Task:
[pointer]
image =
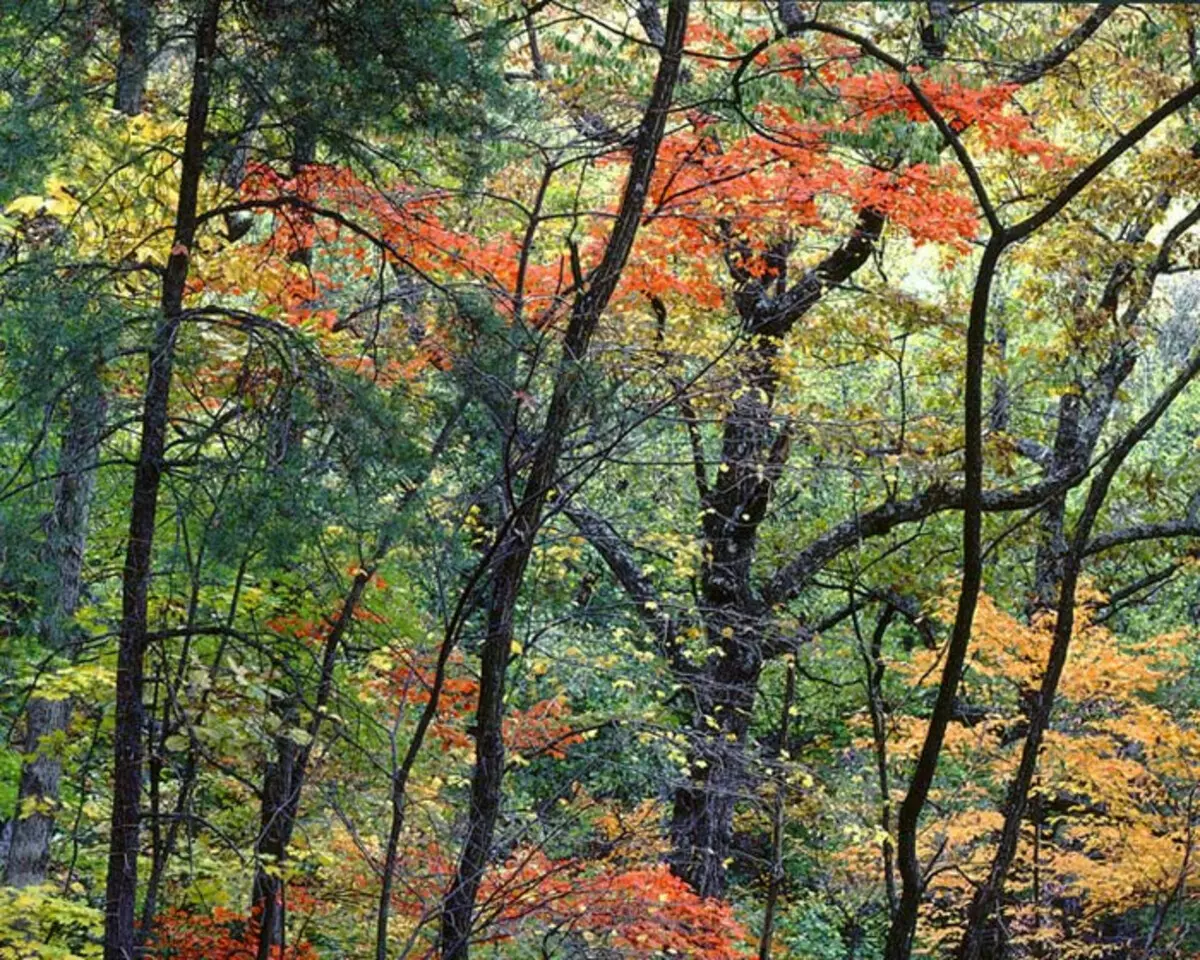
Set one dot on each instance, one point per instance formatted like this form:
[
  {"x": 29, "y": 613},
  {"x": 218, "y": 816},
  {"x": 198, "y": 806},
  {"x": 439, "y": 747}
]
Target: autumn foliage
[{"x": 442, "y": 496}]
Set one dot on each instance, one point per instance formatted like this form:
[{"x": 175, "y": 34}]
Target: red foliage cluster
[
  {"x": 715, "y": 202},
  {"x": 220, "y": 935},
  {"x": 542, "y": 728},
  {"x": 641, "y": 909},
  {"x": 651, "y": 911},
  {"x": 314, "y": 632},
  {"x": 333, "y": 206}
]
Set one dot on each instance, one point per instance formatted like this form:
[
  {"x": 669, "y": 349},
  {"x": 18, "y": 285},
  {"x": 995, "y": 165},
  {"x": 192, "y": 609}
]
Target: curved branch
[
  {"x": 618, "y": 556},
  {"x": 951, "y": 138}
]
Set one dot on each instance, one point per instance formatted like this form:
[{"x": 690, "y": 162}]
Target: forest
[{"x": 599, "y": 480}]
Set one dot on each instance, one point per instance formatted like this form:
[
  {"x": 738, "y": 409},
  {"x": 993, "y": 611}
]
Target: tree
[{"x": 597, "y": 480}]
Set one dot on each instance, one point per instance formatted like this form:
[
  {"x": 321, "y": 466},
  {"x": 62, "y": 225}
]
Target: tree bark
[
  {"x": 904, "y": 921},
  {"x": 133, "y": 62},
  {"x": 777, "y": 817},
  {"x": 66, "y": 542},
  {"x": 704, "y": 805}
]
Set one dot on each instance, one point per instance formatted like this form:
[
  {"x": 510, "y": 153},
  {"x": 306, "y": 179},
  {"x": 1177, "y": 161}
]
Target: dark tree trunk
[
  {"x": 133, "y": 62},
  {"x": 121, "y": 887},
  {"x": 66, "y": 541},
  {"x": 517, "y": 537},
  {"x": 754, "y": 451},
  {"x": 283, "y": 780},
  {"x": 904, "y": 920},
  {"x": 280, "y": 793},
  {"x": 702, "y": 815}
]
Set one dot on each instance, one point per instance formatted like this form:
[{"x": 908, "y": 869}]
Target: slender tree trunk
[
  {"x": 283, "y": 781},
  {"x": 874, "y": 666},
  {"x": 280, "y": 791},
  {"x": 777, "y": 817},
  {"x": 133, "y": 62},
  {"x": 404, "y": 770},
  {"x": 66, "y": 541},
  {"x": 988, "y": 895},
  {"x": 121, "y": 888},
  {"x": 518, "y": 537},
  {"x": 904, "y": 922}
]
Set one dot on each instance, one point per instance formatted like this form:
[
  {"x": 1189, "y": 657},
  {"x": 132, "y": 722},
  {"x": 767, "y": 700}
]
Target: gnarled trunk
[{"x": 704, "y": 805}]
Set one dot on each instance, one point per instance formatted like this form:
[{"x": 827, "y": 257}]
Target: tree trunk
[
  {"x": 775, "y": 885},
  {"x": 66, "y": 541},
  {"x": 517, "y": 537},
  {"x": 133, "y": 61},
  {"x": 904, "y": 920},
  {"x": 121, "y": 887},
  {"x": 704, "y": 805},
  {"x": 280, "y": 791}
]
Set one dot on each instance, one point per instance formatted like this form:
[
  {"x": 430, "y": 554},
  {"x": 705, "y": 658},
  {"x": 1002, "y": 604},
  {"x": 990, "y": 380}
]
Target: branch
[
  {"x": 1116, "y": 599},
  {"x": 1039, "y": 453},
  {"x": 1081, "y": 180},
  {"x": 892, "y": 601},
  {"x": 1140, "y": 532},
  {"x": 651, "y": 21},
  {"x": 794, "y": 576},
  {"x": 618, "y": 555},
  {"x": 773, "y": 317},
  {"x": 1036, "y": 69}
]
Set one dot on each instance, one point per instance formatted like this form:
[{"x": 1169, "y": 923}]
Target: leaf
[
  {"x": 299, "y": 735},
  {"x": 27, "y": 206}
]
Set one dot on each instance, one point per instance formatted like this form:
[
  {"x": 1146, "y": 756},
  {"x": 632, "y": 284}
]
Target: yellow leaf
[{"x": 28, "y": 206}]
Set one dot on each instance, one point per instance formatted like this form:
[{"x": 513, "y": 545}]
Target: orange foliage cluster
[
  {"x": 408, "y": 225},
  {"x": 542, "y": 728},
  {"x": 315, "y": 632},
  {"x": 980, "y": 110},
  {"x": 709, "y": 200},
  {"x": 639, "y": 908},
  {"x": 221, "y": 935},
  {"x": 1117, "y": 779},
  {"x": 712, "y": 199}
]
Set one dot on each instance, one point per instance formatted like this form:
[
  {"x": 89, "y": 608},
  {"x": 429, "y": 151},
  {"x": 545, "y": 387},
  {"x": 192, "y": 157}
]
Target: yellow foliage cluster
[{"x": 1111, "y": 815}]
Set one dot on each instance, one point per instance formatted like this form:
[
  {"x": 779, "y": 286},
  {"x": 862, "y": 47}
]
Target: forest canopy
[{"x": 599, "y": 479}]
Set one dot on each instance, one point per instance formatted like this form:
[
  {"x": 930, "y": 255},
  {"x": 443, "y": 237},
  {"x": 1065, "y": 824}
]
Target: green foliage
[{"x": 39, "y": 923}]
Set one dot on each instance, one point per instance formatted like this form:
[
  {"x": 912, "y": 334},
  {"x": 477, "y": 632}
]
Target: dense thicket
[{"x": 618, "y": 479}]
